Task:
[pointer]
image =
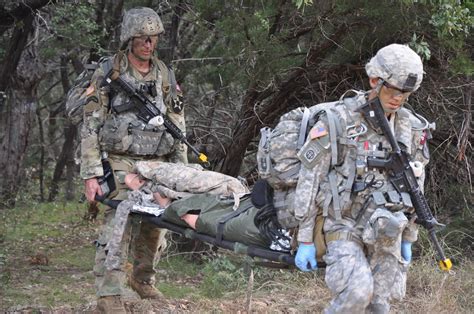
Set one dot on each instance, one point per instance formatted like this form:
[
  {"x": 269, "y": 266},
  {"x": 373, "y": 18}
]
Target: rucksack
[
  {"x": 76, "y": 97},
  {"x": 277, "y": 158},
  {"x": 279, "y": 165},
  {"x": 278, "y": 162}
]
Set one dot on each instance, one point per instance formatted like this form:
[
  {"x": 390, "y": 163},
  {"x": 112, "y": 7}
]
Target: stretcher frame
[{"x": 236, "y": 247}]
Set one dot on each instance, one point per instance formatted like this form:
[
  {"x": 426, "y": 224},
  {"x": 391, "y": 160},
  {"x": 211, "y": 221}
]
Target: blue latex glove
[
  {"x": 305, "y": 258},
  {"x": 406, "y": 251}
]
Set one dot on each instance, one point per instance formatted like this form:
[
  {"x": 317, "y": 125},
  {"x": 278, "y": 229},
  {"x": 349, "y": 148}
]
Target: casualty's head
[
  {"x": 394, "y": 73},
  {"x": 140, "y": 30}
]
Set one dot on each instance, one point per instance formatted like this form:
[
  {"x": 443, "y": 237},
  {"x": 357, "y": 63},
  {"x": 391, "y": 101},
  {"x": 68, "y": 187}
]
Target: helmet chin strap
[{"x": 378, "y": 87}]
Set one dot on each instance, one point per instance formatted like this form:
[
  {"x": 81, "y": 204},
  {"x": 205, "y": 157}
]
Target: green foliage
[
  {"x": 176, "y": 290},
  {"x": 73, "y": 26},
  {"x": 39, "y": 221},
  {"x": 82, "y": 258},
  {"x": 302, "y": 3},
  {"x": 179, "y": 265},
  {"x": 463, "y": 64},
  {"x": 453, "y": 20},
  {"x": 58, "y": 232},
  {"x": 240, "y": 37},
  {"x": 221, "y": 275},
  {"x": 421, "y": 47}
]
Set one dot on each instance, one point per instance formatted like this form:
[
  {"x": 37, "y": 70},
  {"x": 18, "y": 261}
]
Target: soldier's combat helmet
[
  {"x": 138, "y": 22},
  {"x": 397, "y": 65}
]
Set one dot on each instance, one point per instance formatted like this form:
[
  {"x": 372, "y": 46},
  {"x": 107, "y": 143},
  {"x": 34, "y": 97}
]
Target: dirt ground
[{"x": 46, "y": 267}]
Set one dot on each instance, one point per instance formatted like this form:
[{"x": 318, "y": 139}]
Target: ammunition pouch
[{"x": 119, "y": 138}]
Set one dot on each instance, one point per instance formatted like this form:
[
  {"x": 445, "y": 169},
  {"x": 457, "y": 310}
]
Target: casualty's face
[{"x": 144, "y": 46}]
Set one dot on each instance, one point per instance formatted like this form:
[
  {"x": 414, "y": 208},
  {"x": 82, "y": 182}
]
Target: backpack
[
  {"x": 277, "y": 159},
  {"x": 279, "y": 165},
  {"x": 76, "y": 96}
]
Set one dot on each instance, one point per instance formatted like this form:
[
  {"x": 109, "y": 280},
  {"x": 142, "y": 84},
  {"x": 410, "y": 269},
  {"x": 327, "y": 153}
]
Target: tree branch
[{"x": 8, "y": 17}]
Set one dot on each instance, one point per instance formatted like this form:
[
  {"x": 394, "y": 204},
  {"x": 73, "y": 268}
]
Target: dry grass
[
  {"x": 432, "y": 291},
  {"x": 65, "y": 283},
  {"x": 428, "y": 291}
]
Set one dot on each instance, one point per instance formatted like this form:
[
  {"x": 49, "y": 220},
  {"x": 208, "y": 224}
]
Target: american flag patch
[{"x": 317, "y": 132}]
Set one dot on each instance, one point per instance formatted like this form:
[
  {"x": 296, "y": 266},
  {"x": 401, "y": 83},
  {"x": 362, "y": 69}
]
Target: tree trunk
[
  {"x": 42, "y": 154},
  {"x": 178, "y": 11},
  {"x": 108, "y": 17},
  {"x": 273, "y": 102},
  {"x": 66, "y": 157},
  {"x": 18, "y": 113}
]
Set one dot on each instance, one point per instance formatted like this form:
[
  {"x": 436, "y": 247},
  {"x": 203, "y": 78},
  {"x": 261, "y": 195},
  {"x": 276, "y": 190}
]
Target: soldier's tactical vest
[
  {"x": 350, "y": 186},
  {"x": 124, "y": 133},
  {"x": 351, "y": 189}
]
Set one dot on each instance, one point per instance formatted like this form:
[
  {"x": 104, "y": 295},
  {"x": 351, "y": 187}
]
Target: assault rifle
[
  {"x": 148, "y": 111},
  {"x": 402, "y": 177}
]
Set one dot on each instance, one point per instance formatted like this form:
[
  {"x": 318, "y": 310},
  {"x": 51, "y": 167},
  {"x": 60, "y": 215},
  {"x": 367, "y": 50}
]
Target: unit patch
[{"x": 312, "y": 151}]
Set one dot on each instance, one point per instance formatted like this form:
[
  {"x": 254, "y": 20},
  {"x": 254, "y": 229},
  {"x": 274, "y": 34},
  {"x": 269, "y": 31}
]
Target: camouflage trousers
[
  {"x": 143, "y": 240},
  {"x": 365, "y": 279}
]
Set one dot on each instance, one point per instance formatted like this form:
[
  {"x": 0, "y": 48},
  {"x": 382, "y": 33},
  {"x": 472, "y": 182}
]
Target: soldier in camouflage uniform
[
  {"x": 367, "y": 232},
  {"x": 127, "y": 139}
]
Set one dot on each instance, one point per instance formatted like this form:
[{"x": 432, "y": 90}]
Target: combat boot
[
  {"x": 110, "y": 305},
  {"x": 144, "y": 289}
]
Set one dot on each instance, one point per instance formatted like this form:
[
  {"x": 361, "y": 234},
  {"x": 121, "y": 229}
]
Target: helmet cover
[
  {"x": 138, "y": 22},
  {"x": 397, "y": 65}
]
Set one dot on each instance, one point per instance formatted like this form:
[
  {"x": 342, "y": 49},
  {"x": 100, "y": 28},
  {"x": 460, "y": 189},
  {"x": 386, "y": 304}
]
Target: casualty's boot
[
  {"x": 145, "y": 289},
  {"x": 110, "y": 305}
]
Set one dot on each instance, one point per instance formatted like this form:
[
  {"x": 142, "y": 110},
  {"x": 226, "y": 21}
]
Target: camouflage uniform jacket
[
  {"x": 351, "y": 210},
  {"x": 123, "y": 133}
]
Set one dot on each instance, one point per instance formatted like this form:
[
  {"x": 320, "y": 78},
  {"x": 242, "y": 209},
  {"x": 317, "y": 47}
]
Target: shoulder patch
[
  {"x": 317, "y": 132},
  {"x": 177, "y": 104}
]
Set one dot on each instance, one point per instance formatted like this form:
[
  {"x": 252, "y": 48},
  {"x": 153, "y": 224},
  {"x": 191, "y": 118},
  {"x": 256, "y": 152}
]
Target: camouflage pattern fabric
[
  {"x": 310, "y": 179},
  {"x": 313, "y": 192},
  {"x": 113, "y": 248},
  {"x": 277, "y": 158},
  {"x": 144, "y": 239},
  {"x": 190, "y": 178},
  {"x": 102, "y": 131},
  {"x": 349, "y": 278},
  {"x": 140, "y": 21},
  {"x": 398, "y": 65},
  {"x": 183, "y": 179},
  {"x": 375, "y": 215},
  {"x": 383, "y": 235}
]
